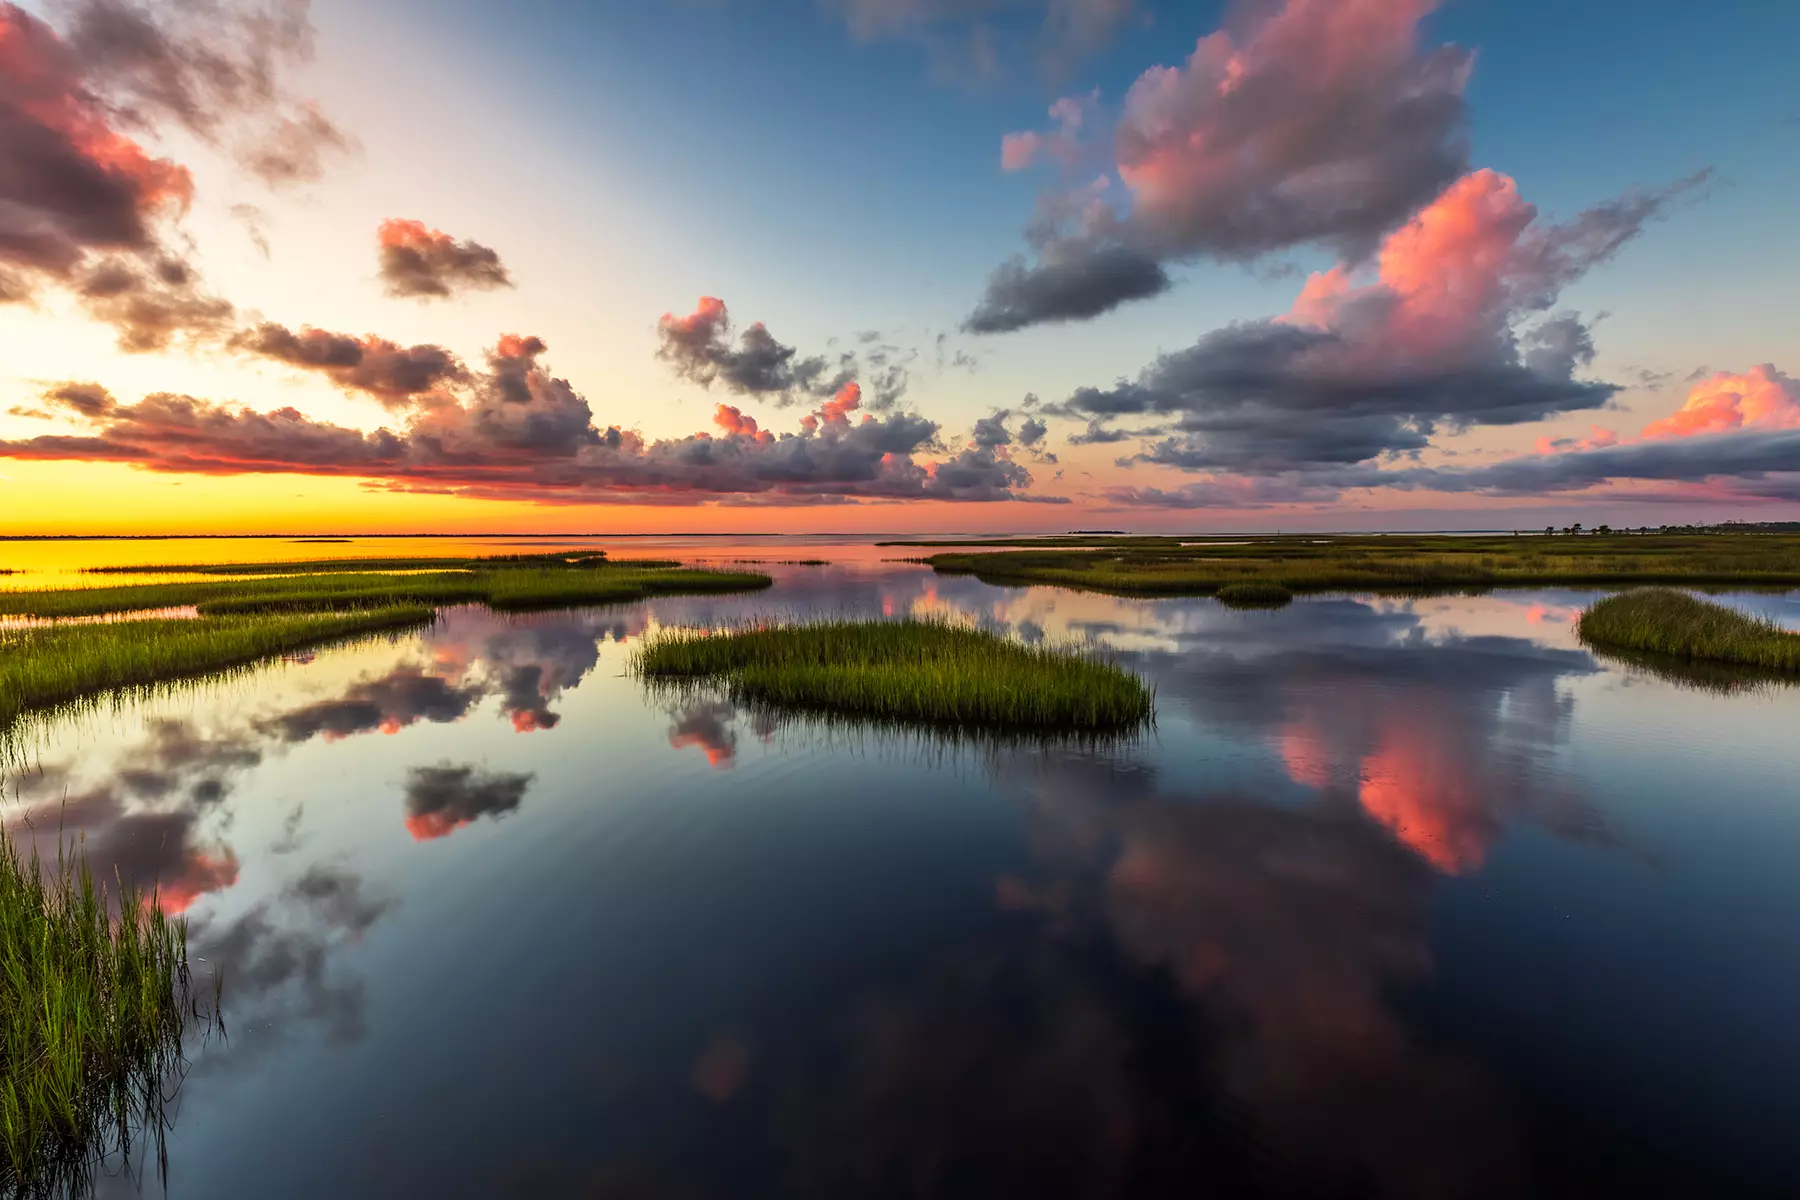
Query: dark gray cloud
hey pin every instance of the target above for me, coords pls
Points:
(700, 348)
(214, 69)
(403, 697)
(393, 374)
(1750, 464)
(90, 209)
(442, 799)
(419, 261)
(1071, 281)
(88, 399)
(151, 304)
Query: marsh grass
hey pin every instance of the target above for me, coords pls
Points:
(930, 672)
(1392, 564)
(95, 992)
(517, 586)
(51, 666)
(1674, 625)
(1254, 595)
(565, 560)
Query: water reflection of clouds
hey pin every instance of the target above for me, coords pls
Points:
(442, 799)
(1444, 741)
(1285, 932)
(277, 958)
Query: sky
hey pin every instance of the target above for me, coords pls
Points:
(896, 265)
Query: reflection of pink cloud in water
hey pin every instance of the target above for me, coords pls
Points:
(1416, 783)
(1305, 755)
(430, 826)
(718, 754)
(1550, 614)
(721, 1069)
(706, 725)
(531, 720)
(200, 874)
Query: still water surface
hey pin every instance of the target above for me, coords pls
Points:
(1409, 898)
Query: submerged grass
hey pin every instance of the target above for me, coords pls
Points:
(54, 665)
(1675, 625)
(908, 671)
(1173, 566)
(92, 1008)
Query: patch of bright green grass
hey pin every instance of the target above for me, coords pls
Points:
(1172, 566)
(92, 1007)
(61, 664)
(1674, 624)
(915, 671)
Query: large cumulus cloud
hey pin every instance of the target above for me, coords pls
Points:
(1446, 332)
(1298, 121)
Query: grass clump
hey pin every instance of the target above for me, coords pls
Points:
(60, 664)
(911, 671)
(1661, 621)
(1254, 595)
(92, 1009)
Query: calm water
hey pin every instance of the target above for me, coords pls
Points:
(1407, 898)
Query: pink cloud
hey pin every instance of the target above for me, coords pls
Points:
(1761, 398)
(1294, 121)
(1020, 150)
(1024, 149)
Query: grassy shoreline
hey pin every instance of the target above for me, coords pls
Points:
(1168, 567)
(52, 666)
(515, 584)
(94, 996)
(927, 672)
(1676, 626)
(247, 619)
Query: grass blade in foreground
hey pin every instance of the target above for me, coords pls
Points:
(92, 1007)
(922, 671)
(1666, 622)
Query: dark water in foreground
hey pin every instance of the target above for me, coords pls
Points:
(1408, 898)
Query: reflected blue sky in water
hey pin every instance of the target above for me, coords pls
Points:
(1415, 897)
